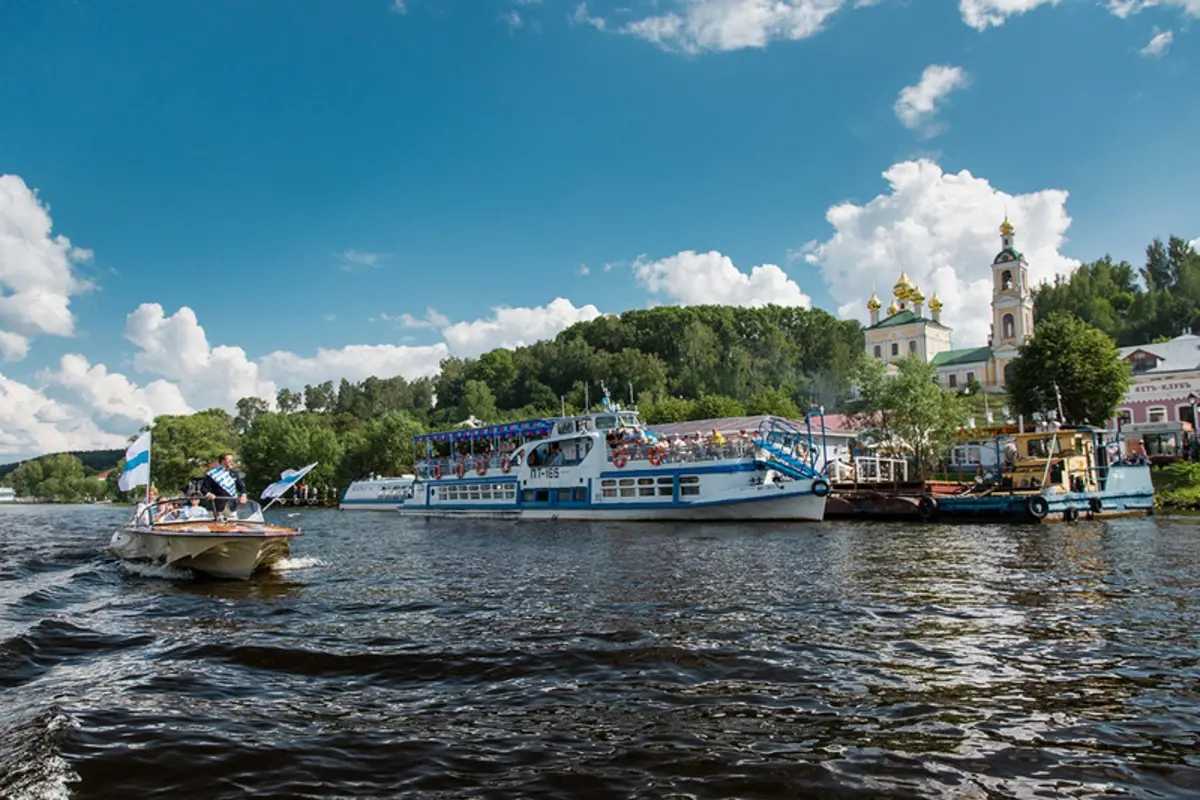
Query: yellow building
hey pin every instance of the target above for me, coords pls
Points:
(905, 330)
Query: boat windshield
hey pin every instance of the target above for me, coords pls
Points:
(196, 509)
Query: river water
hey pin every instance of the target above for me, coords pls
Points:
(459, 659)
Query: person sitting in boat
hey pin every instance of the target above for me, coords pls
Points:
(193, 509)
(555, 458)
(224, 487)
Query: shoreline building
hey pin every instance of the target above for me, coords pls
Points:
(906, 331)
(1160, 407)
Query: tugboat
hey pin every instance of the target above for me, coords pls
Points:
(606, 465)
(1056, 473)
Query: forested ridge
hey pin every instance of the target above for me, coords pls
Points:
(677, 363)
(1132, 305)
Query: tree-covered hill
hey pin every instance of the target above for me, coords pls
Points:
(94, 461)
(1133, 306)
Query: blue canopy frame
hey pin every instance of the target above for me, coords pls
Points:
(529, 427)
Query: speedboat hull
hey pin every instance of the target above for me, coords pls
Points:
(228, 550)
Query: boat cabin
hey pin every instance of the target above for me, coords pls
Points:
(1064, 460)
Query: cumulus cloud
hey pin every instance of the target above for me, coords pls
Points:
(690, 278)
(984, 14)
(1195, 243)
(32, 424)
(943, 230)
(176, 347)
(13, 346)
(111, 394)
(917, 105)
(37, 271)
(514, 327)
(356, 259)
(697, 26)
(1158, 45)
(353, 362)
(432, 319)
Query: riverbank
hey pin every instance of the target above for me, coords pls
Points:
(1177, 486)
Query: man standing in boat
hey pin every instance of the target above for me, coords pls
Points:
(224, 487)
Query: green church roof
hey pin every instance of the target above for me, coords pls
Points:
(904, 317)
(970, 355)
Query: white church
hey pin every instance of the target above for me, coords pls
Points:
(907, 331)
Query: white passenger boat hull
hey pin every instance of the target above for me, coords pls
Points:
(220, 550)
(376, 494)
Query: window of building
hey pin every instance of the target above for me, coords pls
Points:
(1006, 281)
(878, 351)
(953, 381)
(1156, 414)
(1142, 362)
(912, 346)
(970, 377)
(1007, 373)
(895, 348)
(1009, 327)
(1184, 414)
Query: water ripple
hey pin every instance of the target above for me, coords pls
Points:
(397, 657)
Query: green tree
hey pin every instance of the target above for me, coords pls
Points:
(1067, 358)
(182, 447)
(477, 401)
(248, 408)
(276, 442)
(773, 401)
(288, 401)
(384, 446)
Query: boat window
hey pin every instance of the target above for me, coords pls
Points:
(629, 420)
(564, 495)
(689, 485)
(566, 426)
(527, 496)
(606, 421)
(579, 494)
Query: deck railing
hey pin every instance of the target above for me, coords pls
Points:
(869, 469)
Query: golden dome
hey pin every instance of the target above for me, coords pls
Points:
(903, 287)
(934, 303)
(873, 304)
(1006, 227)
(917, 296)
(892, 309)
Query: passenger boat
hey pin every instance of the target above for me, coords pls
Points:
(374, 493)
(1055, 473)
(232, 544)
(605, 465)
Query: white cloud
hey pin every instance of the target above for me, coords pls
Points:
(1195, 243)
(176, 347)
(13, 346)
(690, 278)
(722, 25)
(584, 269)
(354, 363)
(353, 259)
(37, 271)
(399, 7)
(33, 424)
(512, 19)
(983, 14)
(916, 107)
(514, 327)
(943, 230)
(111, 394)
(432, 319)
(581, 16)
(1158, 45)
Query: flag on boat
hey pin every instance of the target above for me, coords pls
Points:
(287, 479)
(137, 464)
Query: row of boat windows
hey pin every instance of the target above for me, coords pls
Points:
(649, 487)
(477, 491)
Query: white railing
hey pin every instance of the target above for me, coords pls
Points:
(869, 469)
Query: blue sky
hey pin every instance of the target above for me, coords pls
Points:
(301, 174)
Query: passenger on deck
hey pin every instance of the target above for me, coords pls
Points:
(555, 458)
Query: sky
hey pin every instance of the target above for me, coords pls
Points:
(204, 200)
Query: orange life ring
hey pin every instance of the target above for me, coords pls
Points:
(460, 469)
(437, 472)
(620, 459)
(481, 467)
(505, 464)
(656, 456)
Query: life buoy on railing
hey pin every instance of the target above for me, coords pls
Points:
(505, 464)
(820, 487)
(620, 459)
(460, 469)
(481, 467)
(1037, 506)
(656, 456)
(437, 472)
